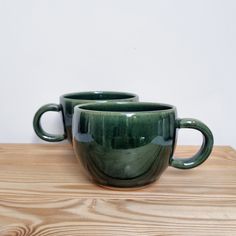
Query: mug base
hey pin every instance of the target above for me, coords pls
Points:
(130, 188)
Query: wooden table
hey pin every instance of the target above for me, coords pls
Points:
(43, 191)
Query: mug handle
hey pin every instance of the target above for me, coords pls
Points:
(205, 149)
(37, 124)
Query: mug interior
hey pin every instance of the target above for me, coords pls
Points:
(100, 95)
(126, 107)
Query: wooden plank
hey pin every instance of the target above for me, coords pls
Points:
(44, 191)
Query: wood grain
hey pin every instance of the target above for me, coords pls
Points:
(44, 191)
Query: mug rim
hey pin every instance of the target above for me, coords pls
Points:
(160, 107)
(127, 95)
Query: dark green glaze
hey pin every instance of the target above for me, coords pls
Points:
(131, 144)
(67, 103)
(37, 125)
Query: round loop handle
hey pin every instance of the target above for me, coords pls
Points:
(37, 124)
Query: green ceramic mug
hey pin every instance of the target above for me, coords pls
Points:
(131, 144)
(67, 103)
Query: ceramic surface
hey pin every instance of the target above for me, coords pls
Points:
(67, 103)
(131, 144)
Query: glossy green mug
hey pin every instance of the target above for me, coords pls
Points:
(131, 144)
(67, 103)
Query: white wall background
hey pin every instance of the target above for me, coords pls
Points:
(178, 52)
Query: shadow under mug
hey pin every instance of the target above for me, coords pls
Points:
(131, 144)
(67, 103)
